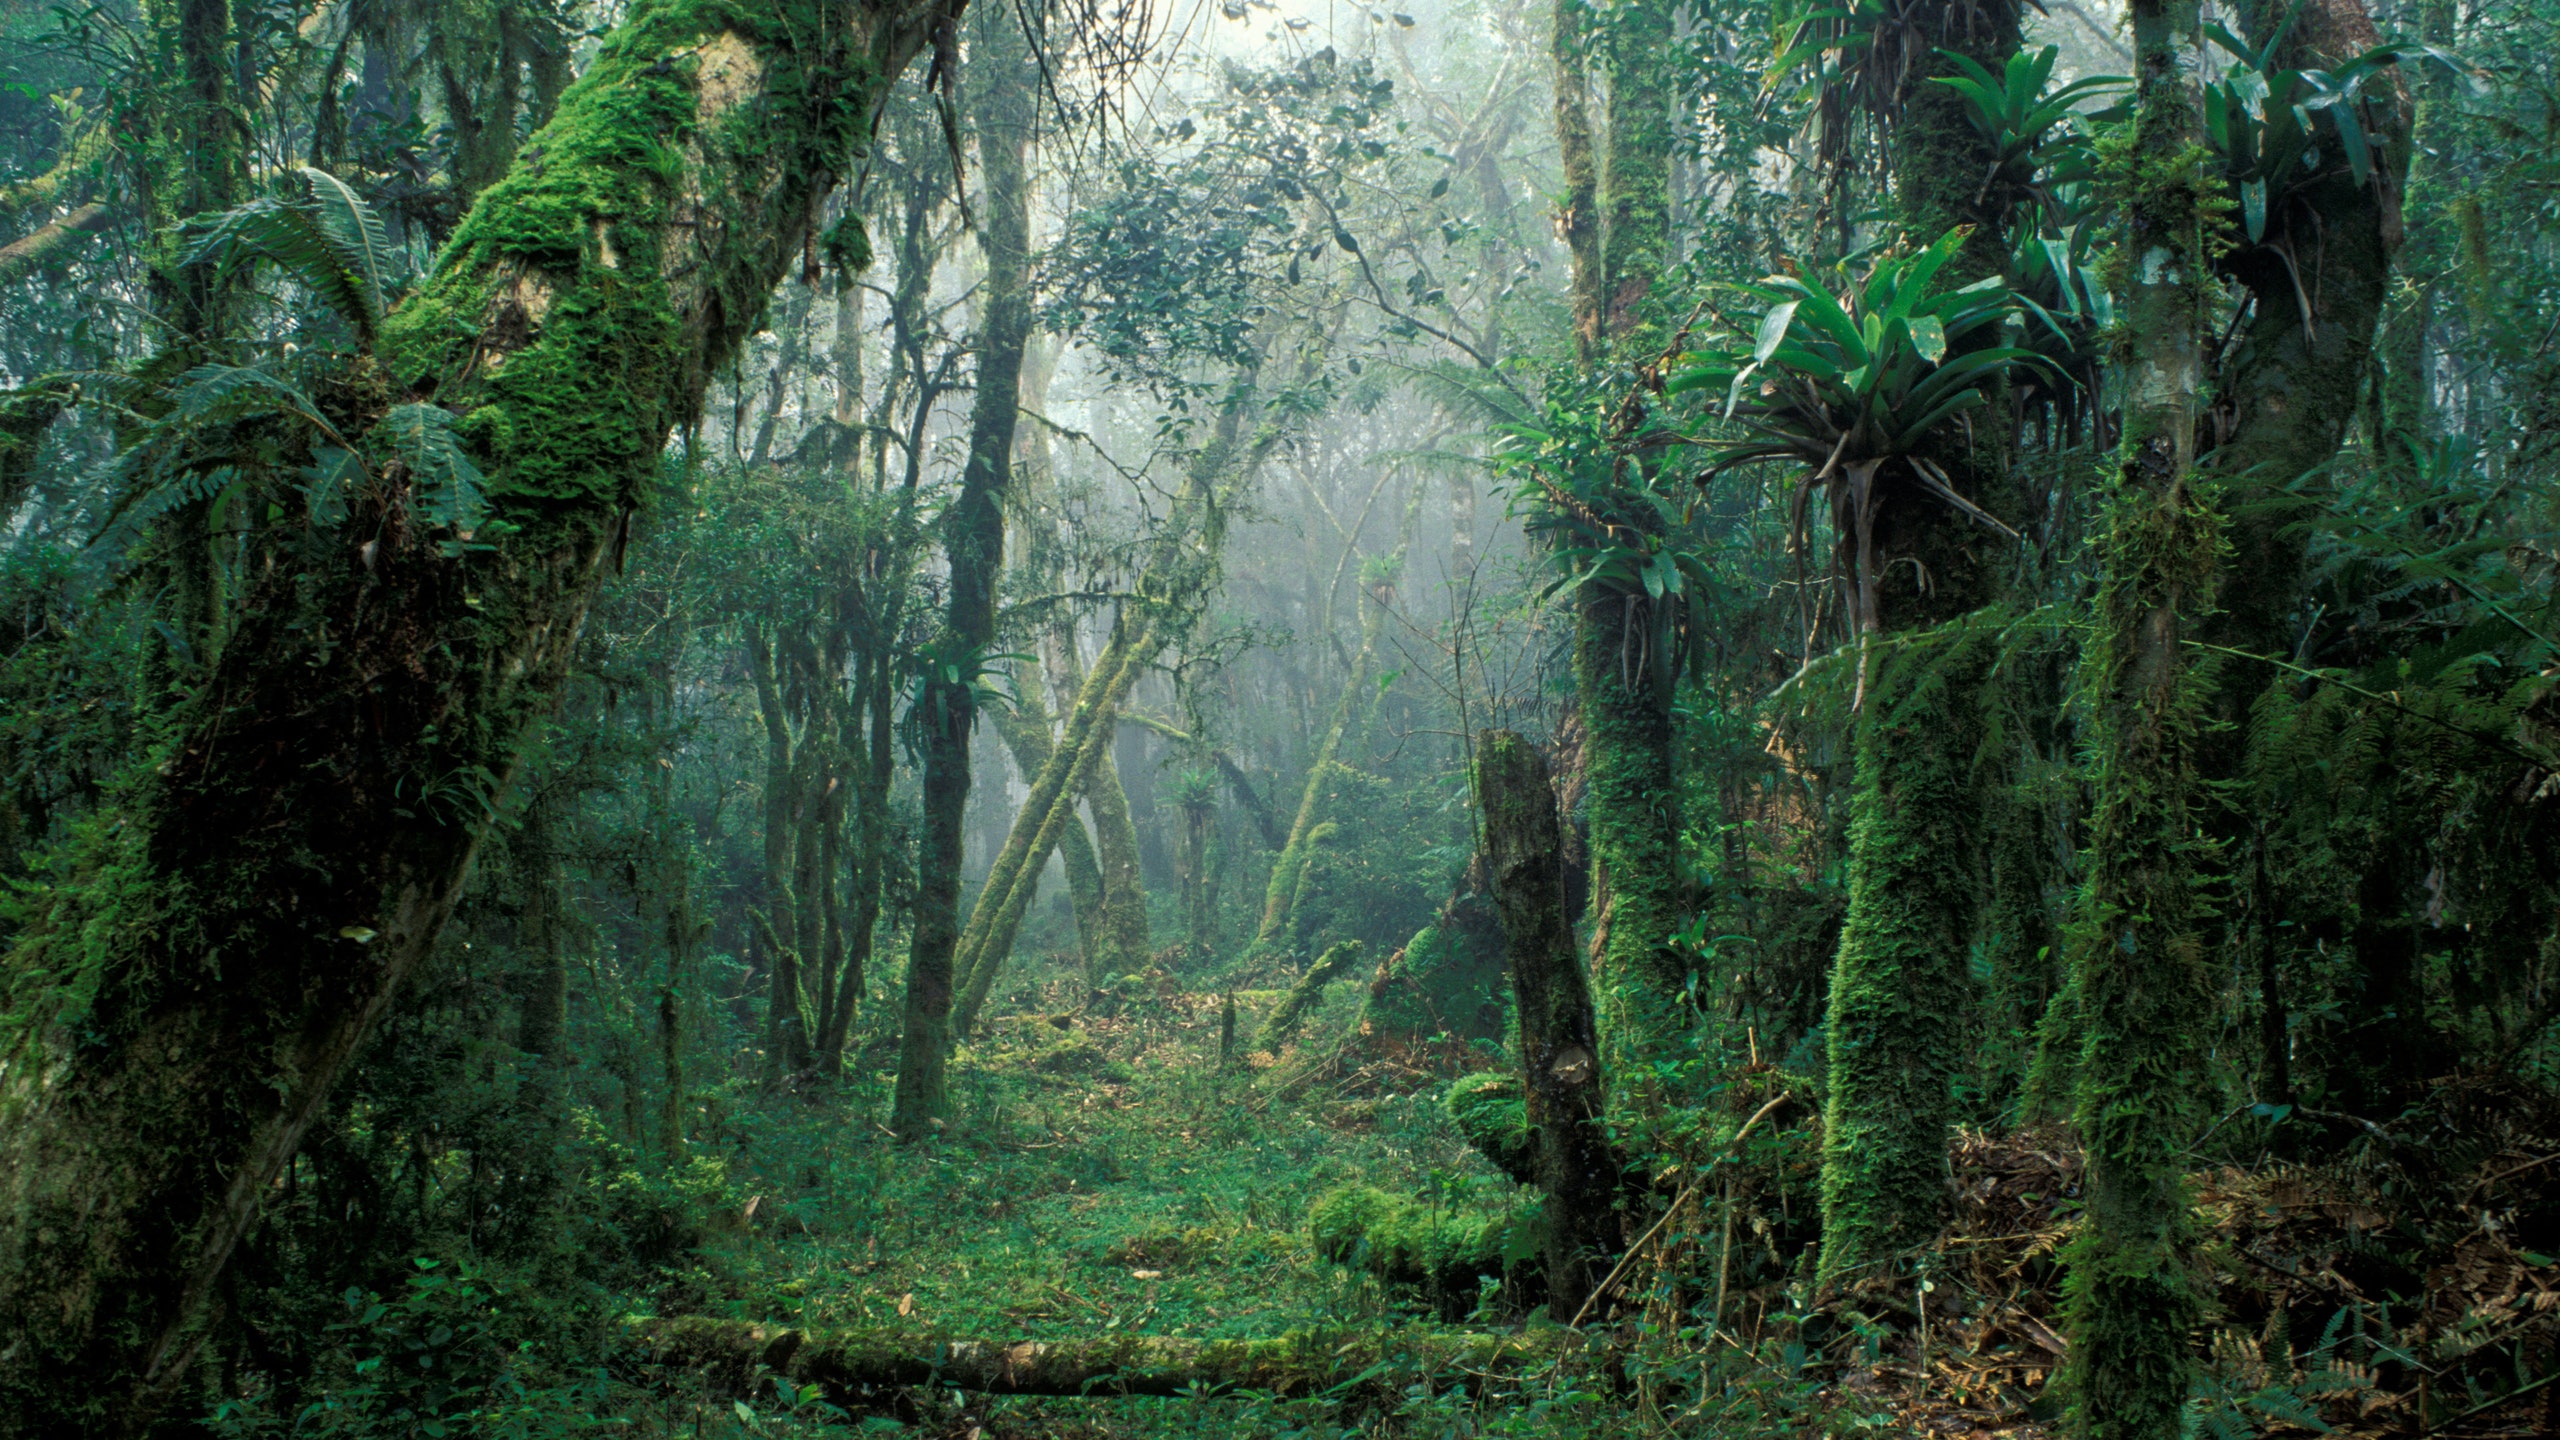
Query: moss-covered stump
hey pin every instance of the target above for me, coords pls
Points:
(851, 1366)
(1492, 1114)
(1447, 980)
(1446, 1252)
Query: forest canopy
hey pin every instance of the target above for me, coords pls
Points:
(1578, 718)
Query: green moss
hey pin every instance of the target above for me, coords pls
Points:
(1447, 980)
(1492, 1113)
(1444, 1251)
(1284, 1018)
(1639, 982)
(1901, 997)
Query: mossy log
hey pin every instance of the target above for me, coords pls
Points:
(1445, 1251)
(851, 1366)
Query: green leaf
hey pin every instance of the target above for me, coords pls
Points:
(1929, 337)
(1773, 332)
(2253, 207)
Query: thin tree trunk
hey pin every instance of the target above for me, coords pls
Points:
(1565, 1091)
(786, 787)
(322, 793)
(1279, 897)
(1026, 733)
(1115, 845)
(1180, 568)
(2146, 986)
(1004, 93)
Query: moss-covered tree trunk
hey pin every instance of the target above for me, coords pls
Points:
(1026, 734)
(973, 539)
(1126, 948)
(787, 787)
(1901, 1002)
(1617, 227)
(1199, 817)
(2319, 286)
(1565, 1092)
(192, 988)
(2146, 989)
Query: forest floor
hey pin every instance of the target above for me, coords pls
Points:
(1113, 1175)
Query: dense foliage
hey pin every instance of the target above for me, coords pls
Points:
(1738, 718)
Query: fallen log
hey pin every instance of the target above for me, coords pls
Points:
(850, 1366)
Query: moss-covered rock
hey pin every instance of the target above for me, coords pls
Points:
(1444, 1251)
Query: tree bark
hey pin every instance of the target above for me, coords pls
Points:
(1565, 1091)
(1026, 733)
(185, 999)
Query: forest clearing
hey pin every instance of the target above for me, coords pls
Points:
(1130, 718)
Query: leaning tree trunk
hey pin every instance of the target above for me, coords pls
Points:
(2146, 987)
(1573, 1161)
(185, 999)
(1180, 568)
(1026, 733)
(1279, 896)
(946, 708)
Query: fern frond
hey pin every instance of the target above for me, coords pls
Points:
(328, 239)
(354, 231)
(451, 489)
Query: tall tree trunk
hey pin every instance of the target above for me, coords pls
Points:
(185, 1003)
(786, 787)
(1559, 1035)
(1004, 94)
(1901, 997)
(2146, 989)
(1199, 814)
(1578, 212)
(1622, 175)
